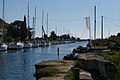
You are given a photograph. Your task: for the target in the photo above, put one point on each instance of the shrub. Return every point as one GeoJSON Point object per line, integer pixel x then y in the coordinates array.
{"type": "Point", "coordinates": [46, 72]}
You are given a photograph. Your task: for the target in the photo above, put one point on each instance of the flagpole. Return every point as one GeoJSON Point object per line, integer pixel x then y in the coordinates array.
{"type": "Point", "coordinates": [89, 28]}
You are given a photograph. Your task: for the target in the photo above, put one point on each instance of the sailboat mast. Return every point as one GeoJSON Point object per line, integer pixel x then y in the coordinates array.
{"type": "Point", "coordinates": [28, 16]}
{"type": "Point", "coordinates": [28, 21]}
{"type": "Point", "coordinates": [94, 22]}
{"type": "Point", "coordinates": [101, 27]}
{"type": "Point", "coordinates": [3, 20]}
{"type": "Point", "coordinates": [56, 29]}
{"type": "Point", "coordinates": [3, 9]}
{"type": "Point", "coordinates": [42, 23]}
{"type": "Point", "coordinates": [33, 27]}
{"type": "Point", "coordinates": [34, 23]}
{"type": "Point", "coordinates": [47, 24]}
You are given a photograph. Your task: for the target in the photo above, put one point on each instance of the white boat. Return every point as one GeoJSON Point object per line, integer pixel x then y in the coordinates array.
{"type": "Point", "coordinates": [27, 45]}
{"type": "Point", "coordinates": [19, 45]}
{"type": "Point", "coordinates": [15, 45]}
{"type": "Point", "coordinates": [35, 45]}
{"type": "Point", "coordinates": [3, 47]}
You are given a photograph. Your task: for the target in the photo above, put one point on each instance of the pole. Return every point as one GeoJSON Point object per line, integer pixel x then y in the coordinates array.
{"type": "Point", "coordinates": [109, 33]}
{"type": "Point", "coordinates": [34, 22]}
{"type": "Point", "coordinates": [3, 20]}
{"type": "Point", "coordinates": [47, 24]}
{"type": "Point", "coordinates": [28, 23]}
{"type": "Point", "coordinates": [56, 29]}
{"type": "Point", "coordinates": [58, 52]}
{"type": "Point", "coordinates": [76, 73]}
{"type": "Point", "coordinates": [101, 27]}
{"type": "Point", "coordinates": [3, 9]}
{"type": "Point", "coordinates": [42, 22]}
{"type": "Point", "coordinates": [33, 27]}
{"type": "Point", "coordinates": [94, 22]}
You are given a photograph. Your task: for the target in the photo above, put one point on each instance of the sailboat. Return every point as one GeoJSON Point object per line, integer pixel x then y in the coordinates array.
{"type": "Point", "coordinates": [3, 46]}
{"type": "Point", "coordinates": [47, 42]}
{"type": "Point", "coordinates": [28, 44]}
{"type": "Point", "coordinates": [42, 43]}
{"type": "Point", "coordinates": [15, 45]}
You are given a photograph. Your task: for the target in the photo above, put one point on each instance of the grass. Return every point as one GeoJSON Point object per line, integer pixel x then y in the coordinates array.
{"type": "Point", "coordinates": [46, 72]}
{"type": "Point", "coordinates": [69, 76]}
{"type": "Point", "coordinates": [115, 58]}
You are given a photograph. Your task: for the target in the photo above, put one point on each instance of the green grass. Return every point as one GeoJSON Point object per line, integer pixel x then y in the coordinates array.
{"type": "Point", "coordinates": [115, 58]}
{"type": "Point", "coordinates": [46, 72]}
{"type": "Point", "coordinates": [69, 76]}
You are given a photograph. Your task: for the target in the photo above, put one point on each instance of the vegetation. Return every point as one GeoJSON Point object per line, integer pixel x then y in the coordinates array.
{"type": "Point", "coordinates": [69, 76]}
{"type": "Point", "coordinates": [18, 30]}
{"type": "Point", "coordinates": [113, 42]}
{"type": "Point", "coordinates": [46, 72]}
{"type": "Point", "coordinates": [54, 36]}
{"type": "Point", "coordinates": [114, 56]}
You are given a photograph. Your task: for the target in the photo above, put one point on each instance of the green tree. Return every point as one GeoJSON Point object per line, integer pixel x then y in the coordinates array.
{"type": "Point", "coordinates": [23, 30]}
{"type": "Point", "coordinates": [53, 35]}
{"type": "Point", "coordinates": [16, 27]}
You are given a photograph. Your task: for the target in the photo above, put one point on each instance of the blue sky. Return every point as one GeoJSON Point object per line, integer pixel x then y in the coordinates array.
{"type": "Point", "coordinates": [67, 15]}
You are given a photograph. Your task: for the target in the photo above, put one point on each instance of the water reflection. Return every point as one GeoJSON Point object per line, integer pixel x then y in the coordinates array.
{"type": "Point", "coordinates": [19, 64]}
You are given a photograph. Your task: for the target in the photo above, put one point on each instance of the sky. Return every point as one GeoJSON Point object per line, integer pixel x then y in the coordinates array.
{"type": "Point", "coordinates": [67, 16]}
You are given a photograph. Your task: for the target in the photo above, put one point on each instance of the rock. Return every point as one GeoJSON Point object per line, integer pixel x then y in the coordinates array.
{"type": "Point", "coordinates": [52, 78]}
{"type": "Point", "coordinates": [54, 67]}
{"type": "Point", "coordinates": [84, 75]}
{"type": "Point", "coordinates": [98, 64]}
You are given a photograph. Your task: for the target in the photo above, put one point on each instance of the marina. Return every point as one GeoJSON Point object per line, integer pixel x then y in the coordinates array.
{"type": "Point", "coordinates": [42, 37]}
{"type": "Point", "coordinates": [19, 64]}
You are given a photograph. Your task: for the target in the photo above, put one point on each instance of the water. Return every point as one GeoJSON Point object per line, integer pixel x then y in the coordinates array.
{"type": "Point", "coordinates": [19, 64]}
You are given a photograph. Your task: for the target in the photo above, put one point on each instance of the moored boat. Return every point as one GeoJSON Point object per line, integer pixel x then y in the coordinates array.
{"type": "Point", "coordinates": [15, 45]}
{"type": "Point", "coordinates": [3, 47]}
{"type": "Point", "coordinates": [28, 45]}
{"type": "Point", "coordinates": [35, 44]}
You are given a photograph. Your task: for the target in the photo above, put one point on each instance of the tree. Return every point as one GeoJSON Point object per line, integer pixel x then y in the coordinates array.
{"type": "Point", "coordinates": [118, 35]}
{"type": "Point", "coordinates": [20, 30]}
{"type": "Point", "coordinates": [16, 32]}
{"type": "Point", "coordinates": [53, 35]}
{"type": "Point", "coordinates": [12, 32]}
{"type": "Point", "coordinates": [73, 38]}
{"type": "Point", "coordinates": [24, 29]}
{"type": "Point", "coordinates": [65, 37]}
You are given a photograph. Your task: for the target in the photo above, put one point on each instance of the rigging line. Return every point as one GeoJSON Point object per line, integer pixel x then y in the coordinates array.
{"type": "Point", "coordinates": [112, 23]}
{"type": "Point", "coordinates": [91, 13]}
{"type": "Point", "coordinates": [83, 32]}
{"type": "Point", "coordinates": [113, 19]}
{"type": "Point", "coordinates": [66, 20]}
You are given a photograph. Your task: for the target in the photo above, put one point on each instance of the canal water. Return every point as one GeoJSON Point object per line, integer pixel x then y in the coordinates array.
{"type": "Point", "coordinates": [19, 64]}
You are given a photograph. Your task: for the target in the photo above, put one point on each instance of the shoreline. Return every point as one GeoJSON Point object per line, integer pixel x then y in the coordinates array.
{"type": "Point", "coordinates": [85, 63]}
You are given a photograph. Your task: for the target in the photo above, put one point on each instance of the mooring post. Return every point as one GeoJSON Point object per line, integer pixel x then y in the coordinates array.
{"type": "Point", "coordinates": [76, 73]}
{"type": "Point", "coordinates": [58, 52]}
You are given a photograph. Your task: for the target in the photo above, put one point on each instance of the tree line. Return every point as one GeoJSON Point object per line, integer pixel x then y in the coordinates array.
{"type": "Point", "coordinates": [18, 30]}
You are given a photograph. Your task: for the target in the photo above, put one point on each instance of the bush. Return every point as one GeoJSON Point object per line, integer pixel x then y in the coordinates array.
{"type": "Point", "coordinates": [46, 72]}
{"type": "Point", "coordinates": [115, 57]}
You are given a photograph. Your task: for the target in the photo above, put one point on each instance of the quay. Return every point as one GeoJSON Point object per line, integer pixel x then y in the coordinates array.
{"type": "Point", "coordinates": [62, 67]}
{"type": "Point", "coordinates": [90, 66]}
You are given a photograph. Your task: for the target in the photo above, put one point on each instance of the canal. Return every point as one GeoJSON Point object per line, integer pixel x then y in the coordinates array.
{"type": "Point", "coordinates": [19, 64]}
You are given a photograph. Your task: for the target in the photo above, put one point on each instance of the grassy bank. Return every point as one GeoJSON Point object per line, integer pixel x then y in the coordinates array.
{"type": "Point", "coordinates": [114, 56]}
{"type": "Point", "coordinates": [112, 43]}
